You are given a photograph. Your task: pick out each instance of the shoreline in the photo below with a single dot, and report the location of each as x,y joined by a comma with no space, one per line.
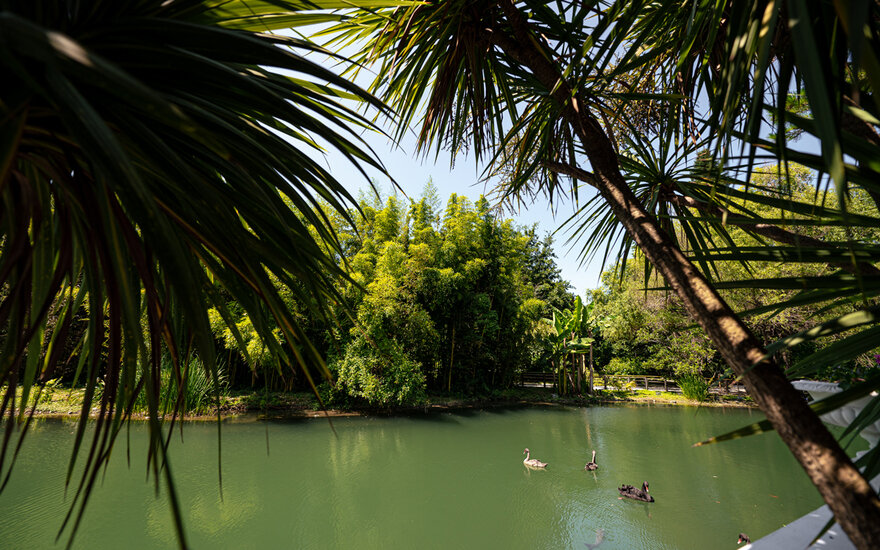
304,406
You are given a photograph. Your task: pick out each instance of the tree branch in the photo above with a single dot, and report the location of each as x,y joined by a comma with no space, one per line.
770,231
775,233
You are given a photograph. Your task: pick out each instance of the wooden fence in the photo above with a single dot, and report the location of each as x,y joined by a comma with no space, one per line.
609,381
620,381
640,382
543,378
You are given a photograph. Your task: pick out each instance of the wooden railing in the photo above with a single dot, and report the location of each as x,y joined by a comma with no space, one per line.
543,378
613,380
622,381
640,381
643,382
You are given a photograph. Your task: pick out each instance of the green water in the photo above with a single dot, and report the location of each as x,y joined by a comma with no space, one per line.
439,481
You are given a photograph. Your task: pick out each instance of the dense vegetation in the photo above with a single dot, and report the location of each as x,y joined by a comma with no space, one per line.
453,299
157,170
456,300
646,329
441,299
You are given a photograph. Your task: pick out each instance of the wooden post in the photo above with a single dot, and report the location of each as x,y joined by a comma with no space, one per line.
451,355
590,387
580,369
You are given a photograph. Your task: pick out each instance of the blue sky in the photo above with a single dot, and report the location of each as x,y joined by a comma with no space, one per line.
413,171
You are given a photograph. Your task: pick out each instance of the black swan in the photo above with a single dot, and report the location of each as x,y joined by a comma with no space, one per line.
634,493
744,538
533,462
591,465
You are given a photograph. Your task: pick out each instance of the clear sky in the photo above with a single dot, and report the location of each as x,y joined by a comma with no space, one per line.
413,171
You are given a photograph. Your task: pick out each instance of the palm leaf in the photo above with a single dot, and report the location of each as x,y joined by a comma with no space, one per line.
151,173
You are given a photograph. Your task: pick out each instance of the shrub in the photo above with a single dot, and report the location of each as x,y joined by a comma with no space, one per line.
198,392
624,386
694,386
386,376
49,390
621,365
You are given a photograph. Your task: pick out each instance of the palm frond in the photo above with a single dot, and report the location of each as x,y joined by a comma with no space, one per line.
139,175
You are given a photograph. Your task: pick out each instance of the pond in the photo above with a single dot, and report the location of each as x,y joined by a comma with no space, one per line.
451,480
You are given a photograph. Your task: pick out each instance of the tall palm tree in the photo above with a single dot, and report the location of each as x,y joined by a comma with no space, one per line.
152,154
559,87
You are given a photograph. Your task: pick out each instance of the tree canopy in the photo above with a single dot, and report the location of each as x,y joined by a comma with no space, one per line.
441,301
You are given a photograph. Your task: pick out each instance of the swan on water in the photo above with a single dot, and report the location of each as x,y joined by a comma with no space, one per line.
532,462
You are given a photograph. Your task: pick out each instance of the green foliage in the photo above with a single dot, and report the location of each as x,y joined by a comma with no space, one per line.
650,329
158,160
544,275
458,296
684,352
622,365
381,376
694,387
652,326
193,393
48,390
570,337
622,386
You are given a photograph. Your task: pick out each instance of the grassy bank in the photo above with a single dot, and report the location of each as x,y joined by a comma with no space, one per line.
59,401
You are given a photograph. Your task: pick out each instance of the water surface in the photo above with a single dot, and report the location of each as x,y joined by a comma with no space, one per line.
453,480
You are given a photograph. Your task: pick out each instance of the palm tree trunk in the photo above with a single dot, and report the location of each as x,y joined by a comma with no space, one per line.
847,493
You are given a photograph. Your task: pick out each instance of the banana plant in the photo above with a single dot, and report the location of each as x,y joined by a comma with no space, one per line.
573,336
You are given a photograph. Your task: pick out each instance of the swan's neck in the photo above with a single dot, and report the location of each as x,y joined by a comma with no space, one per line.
526,459
594,457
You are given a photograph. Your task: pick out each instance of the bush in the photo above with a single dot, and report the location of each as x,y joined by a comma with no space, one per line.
379,376
621,365
694,386
198,392
624,387
49,390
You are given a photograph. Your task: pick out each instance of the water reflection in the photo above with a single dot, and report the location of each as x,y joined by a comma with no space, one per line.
449,480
